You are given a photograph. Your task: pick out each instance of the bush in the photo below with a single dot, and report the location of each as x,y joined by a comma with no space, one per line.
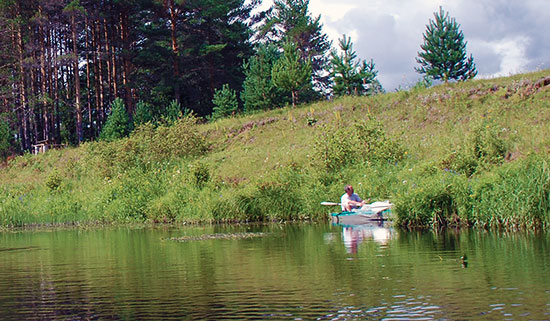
360,142
53,182
147,147
431,202
481,149
6,138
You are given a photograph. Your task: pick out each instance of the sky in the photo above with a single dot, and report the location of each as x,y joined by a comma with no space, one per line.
505,37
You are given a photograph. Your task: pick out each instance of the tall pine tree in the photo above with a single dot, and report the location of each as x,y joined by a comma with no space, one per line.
291,21
443,54
290,73
259,91
352,77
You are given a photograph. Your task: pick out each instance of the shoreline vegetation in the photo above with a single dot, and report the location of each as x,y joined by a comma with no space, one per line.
474,153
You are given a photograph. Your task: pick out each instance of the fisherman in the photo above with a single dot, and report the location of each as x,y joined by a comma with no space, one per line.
350,200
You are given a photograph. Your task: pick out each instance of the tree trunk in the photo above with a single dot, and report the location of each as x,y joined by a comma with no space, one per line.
111,81
78,108
25,142
175,50
43,92
55,49
126,62
100,88
114,66
88,91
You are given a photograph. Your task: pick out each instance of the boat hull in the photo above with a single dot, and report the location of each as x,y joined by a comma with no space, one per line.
356,218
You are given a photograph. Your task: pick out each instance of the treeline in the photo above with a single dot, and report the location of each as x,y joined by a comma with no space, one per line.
63,63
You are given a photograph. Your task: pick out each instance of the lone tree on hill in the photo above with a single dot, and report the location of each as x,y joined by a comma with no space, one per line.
444,50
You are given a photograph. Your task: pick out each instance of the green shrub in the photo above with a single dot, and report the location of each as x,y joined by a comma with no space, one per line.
54,180
6,138
147,147
515,194
484,147
431,202
364,141
200,173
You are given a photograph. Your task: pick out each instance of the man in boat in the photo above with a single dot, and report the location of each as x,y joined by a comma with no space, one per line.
350,200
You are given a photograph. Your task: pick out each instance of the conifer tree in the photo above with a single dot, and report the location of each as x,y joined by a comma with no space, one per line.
259,91
291,21
143,113
352,77
443,54
290,73
117,125
225,102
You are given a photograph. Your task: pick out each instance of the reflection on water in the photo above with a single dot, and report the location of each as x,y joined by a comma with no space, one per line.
353,235
292,272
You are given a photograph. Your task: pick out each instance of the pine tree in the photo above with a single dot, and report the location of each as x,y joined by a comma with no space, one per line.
290,73
259,91
291,21
352,77
172,112
143,113
225,102
443,53
117,125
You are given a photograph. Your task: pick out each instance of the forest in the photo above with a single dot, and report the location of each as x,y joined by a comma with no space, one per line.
64,63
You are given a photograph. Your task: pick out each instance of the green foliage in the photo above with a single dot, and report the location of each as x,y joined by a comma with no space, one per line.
117,125
516,194
291,21
225,102
200,173
429,201
172,112
443,53
143,113
290,73
6,138
359,142
276,167
259,92
148,146
54,180
352,77
483,147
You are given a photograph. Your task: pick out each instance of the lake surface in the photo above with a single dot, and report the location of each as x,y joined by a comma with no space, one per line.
274,272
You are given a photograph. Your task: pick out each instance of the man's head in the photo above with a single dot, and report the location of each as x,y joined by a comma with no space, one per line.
349,190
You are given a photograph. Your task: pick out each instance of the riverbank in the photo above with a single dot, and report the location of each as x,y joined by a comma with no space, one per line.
472,153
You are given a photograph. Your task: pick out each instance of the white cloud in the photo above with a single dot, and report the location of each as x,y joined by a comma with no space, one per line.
513,55
504,36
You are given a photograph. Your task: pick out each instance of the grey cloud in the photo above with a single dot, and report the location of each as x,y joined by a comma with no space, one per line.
393,42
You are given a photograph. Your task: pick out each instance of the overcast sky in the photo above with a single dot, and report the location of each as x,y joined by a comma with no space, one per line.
504,36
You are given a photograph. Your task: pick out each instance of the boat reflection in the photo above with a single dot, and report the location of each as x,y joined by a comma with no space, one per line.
353,235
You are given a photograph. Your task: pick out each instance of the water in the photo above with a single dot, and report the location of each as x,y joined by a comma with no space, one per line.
274,272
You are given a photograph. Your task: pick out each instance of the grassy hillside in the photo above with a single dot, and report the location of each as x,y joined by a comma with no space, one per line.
465,153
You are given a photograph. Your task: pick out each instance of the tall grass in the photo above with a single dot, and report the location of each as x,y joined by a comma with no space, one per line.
472,153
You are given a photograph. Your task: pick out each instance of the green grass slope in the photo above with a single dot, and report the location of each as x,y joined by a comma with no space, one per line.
473,153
